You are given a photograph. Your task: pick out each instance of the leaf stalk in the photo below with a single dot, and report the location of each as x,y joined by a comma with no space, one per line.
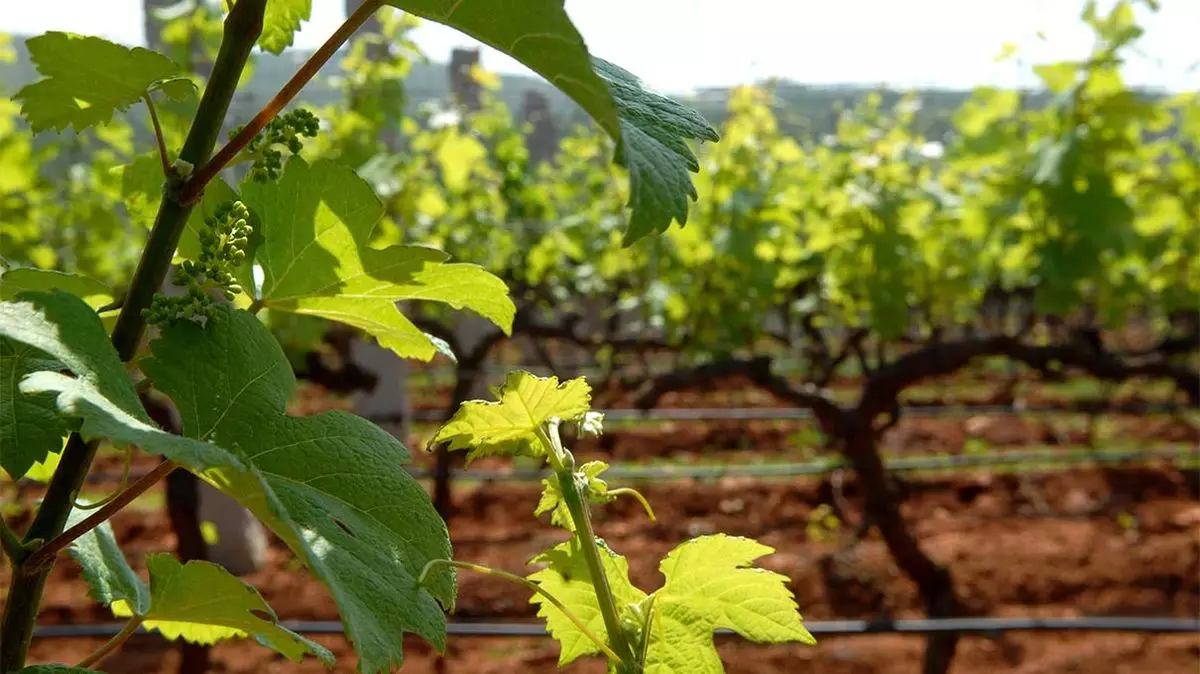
47,552
158,134
98,656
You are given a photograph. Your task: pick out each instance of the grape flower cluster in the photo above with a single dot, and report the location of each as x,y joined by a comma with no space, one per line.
222,249
285,130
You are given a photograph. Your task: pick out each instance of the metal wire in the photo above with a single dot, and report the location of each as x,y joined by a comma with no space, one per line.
901,465
981,626
794,413
1067,458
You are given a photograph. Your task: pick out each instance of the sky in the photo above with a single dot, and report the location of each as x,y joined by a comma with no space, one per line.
681,45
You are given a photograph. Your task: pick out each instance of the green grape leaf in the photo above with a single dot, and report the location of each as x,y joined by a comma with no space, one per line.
198,601
508,425
315,224
348,507
366,529
567,577
680,641
653,148
109,577
552,501
30,430
178,89
710,585
203,603
101,396
651,130
86,79
539,34
42,471
16,281
280,23
141,187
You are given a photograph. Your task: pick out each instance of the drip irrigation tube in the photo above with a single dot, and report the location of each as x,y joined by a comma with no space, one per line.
795,413
1048,458
981,626
902,465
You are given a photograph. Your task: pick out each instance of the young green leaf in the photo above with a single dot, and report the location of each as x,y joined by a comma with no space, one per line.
710,585
651,130
347,506
653,148
508,426
316,224
87,79
680,643
280,23
567,577
203,603
596,491
198,601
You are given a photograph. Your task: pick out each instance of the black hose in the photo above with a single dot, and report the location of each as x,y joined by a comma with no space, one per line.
981,626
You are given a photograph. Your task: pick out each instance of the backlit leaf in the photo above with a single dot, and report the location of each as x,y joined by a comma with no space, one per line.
651,130
711,585
508,425
316,222
198,601
567,578
86,79
280,23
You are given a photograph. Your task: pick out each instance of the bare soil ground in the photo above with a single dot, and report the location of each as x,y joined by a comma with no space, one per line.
1046,545
1121,541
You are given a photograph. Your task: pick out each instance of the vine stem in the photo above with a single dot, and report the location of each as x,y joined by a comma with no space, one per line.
47,552
564,470
97,656
194,188
528,584
158,134
242,27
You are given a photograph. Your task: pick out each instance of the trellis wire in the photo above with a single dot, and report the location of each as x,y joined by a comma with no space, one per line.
796,413
979,626
903,464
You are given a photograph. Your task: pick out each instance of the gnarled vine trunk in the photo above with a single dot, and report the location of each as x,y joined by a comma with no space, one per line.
882,507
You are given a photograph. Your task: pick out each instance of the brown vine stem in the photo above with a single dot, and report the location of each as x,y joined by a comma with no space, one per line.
47,552
193,189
